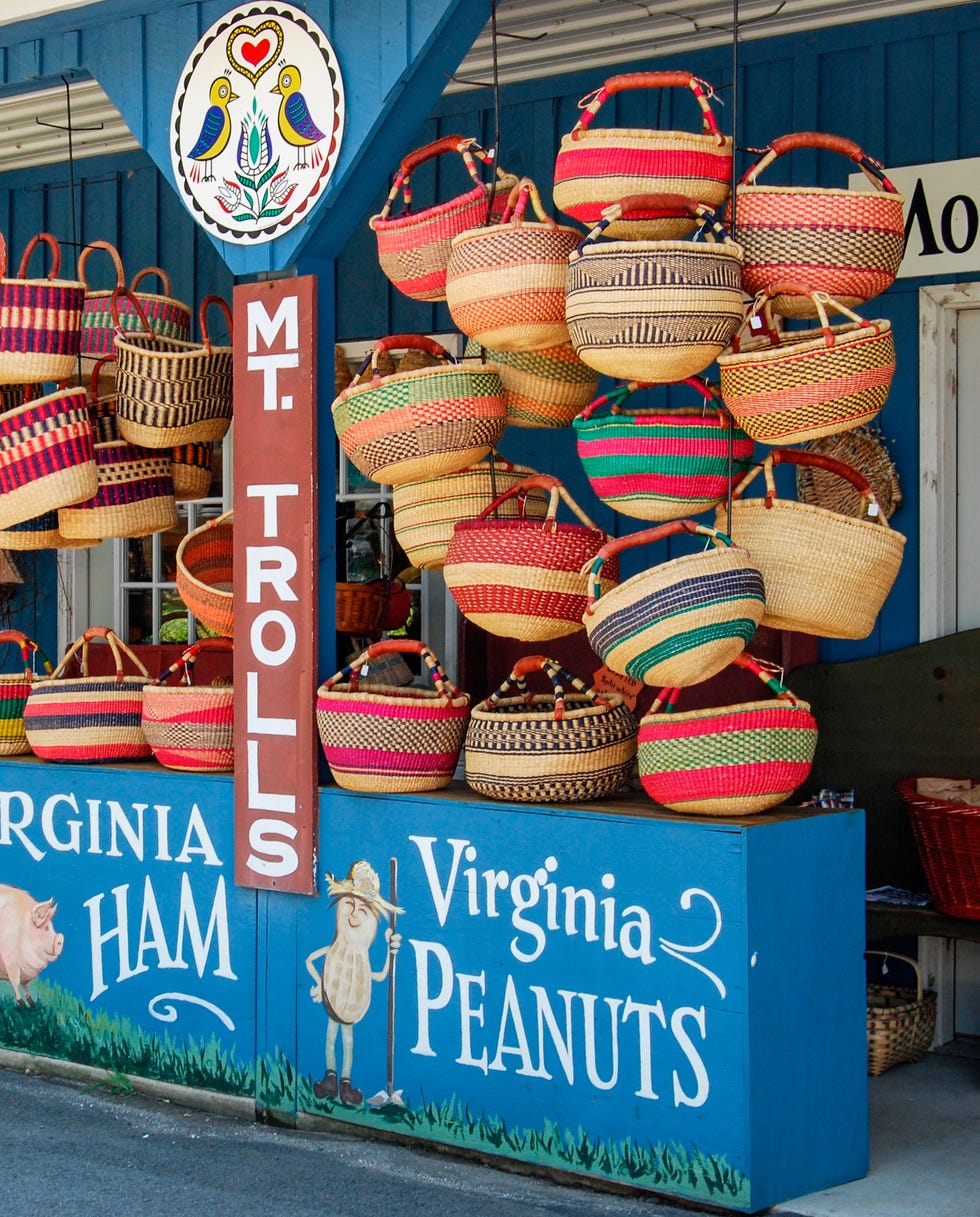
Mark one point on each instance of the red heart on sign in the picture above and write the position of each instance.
(255, 52)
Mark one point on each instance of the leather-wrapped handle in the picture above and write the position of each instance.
(113, 254)
(160, 273)
(52, 243)
(825, 142)
(448, 143)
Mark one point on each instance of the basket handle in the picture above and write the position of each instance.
(466, 146)
(667, 698)
(616, 397)
(559, 676)
(398, 342)
(202, 314)
(709, 226)
(916, 967)
(113, 254)
(93, 384)
(122, 293)
(27, 647)
(160, 273)
(525, 191)
(556, 491)
(32, 244)
(646, 537)
(873, 170)
(816, 460)
(116, 645)
(762, 307)
(398, 646)
(185, 664)
(650, 80)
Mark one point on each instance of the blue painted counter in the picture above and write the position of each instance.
(669, 1002)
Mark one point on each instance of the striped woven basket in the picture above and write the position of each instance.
(544, 388)
(204, 574)
(135, 496)
(14, 688)
(594, 167)
(847, 243)
(171, 392)
(506, 282)
(826, 573)
(426, 512)
(47, 459)
(423, 423)
(795, 385)
(574, 744)
(654, 310)
(657, 463)
(192, 471)
(525, 578)
(191, 727)
(901, 1019)
(89, 718)
(41, 532)
(40, 320)
(391, 738)
(413, 248)
(730, 761)
(680, 622)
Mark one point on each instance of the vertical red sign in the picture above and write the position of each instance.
(275, 584)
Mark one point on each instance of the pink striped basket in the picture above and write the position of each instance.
(40, 319)
(191, 727)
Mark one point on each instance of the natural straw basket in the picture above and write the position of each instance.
(391, 738)
(171, 392)
(191, 727)
(574, 744)
(14, 689)
(205, 574)
(41, 532)
(543, 388)
(192, 471)
(88, 718)
(947, 835)
(595, 167)
(654, 310)
(731, 760)
(525, 578)
(825, 573)
(847, 243)
(681, 622)
(413, 248)
(901, 1020)
(423, 423)
(40, 320)
(660, 463)
(795, 385)
(864, 450)
(506, 282)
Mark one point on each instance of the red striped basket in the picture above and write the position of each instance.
(40, 320)
(205, 574)
(657, 463)
(730, 761)
(14, 689)
(191, 727)
(543, 388)
(391, 738)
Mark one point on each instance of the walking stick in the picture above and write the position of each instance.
(393, 864)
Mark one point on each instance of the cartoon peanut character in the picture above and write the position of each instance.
(343, 984)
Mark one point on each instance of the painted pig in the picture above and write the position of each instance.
(28, 942)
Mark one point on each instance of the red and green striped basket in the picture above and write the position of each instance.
(14, 688)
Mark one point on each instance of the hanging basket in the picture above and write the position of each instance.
(419, 424)
(14, 689)
(40, 320)
(89, 718)
(946, 828)
(681, 622)
(544, 388)
(171, 392)
(795, 385)
(205, 574)
(413, 248)
(901, 1020)
(661, 464)
(825, 573)
(40, 532)
(595, 167)
(729, 761)
(506, 282)
(391, 738)
(572, 745)
(654, 310)
(865, 451)
(524, 578)
(191, 727)
(847, 243)
(192, 471)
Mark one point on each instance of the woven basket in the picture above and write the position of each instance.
(864, 451)
(426, 512)
(594, 167)
(14, 688)
(795, 385)
(524, 578)
(135, 497)
(544, 388)
(41, 532)
(901, 1021)
(413, 248)
(192, 471)
(88, 718)
(825, 573)
(205, 574)
(681, 622)
(847, 243)
(47, 459)
(572, 745)
(391, 738)
(423, 423)
(658, 463)
(947, 835)
(727, 761)
(506, 282)
(40, 320)
(191, 727)
(654, 310)
(172, 392)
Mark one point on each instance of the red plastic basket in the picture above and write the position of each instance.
(947, 836)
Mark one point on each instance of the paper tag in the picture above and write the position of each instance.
(615, 682)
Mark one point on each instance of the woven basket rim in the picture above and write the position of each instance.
(825, 514)
(804, 342)
(906, 787)
(395, 378)
(113, 681)
(650, 133)
(742, 707)
(393, 695)
(636, 249)
(590, 710)
(656, 575)
(821, 191)
(219, 691)
(161, 347)
(61, 284)
(75, 392)
(542, 525)
(504, 230)
(98, 291)
(415, 219)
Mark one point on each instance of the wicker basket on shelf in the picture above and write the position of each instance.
(945, 817)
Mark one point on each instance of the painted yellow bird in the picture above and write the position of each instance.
(216, 128)
(296, 124)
